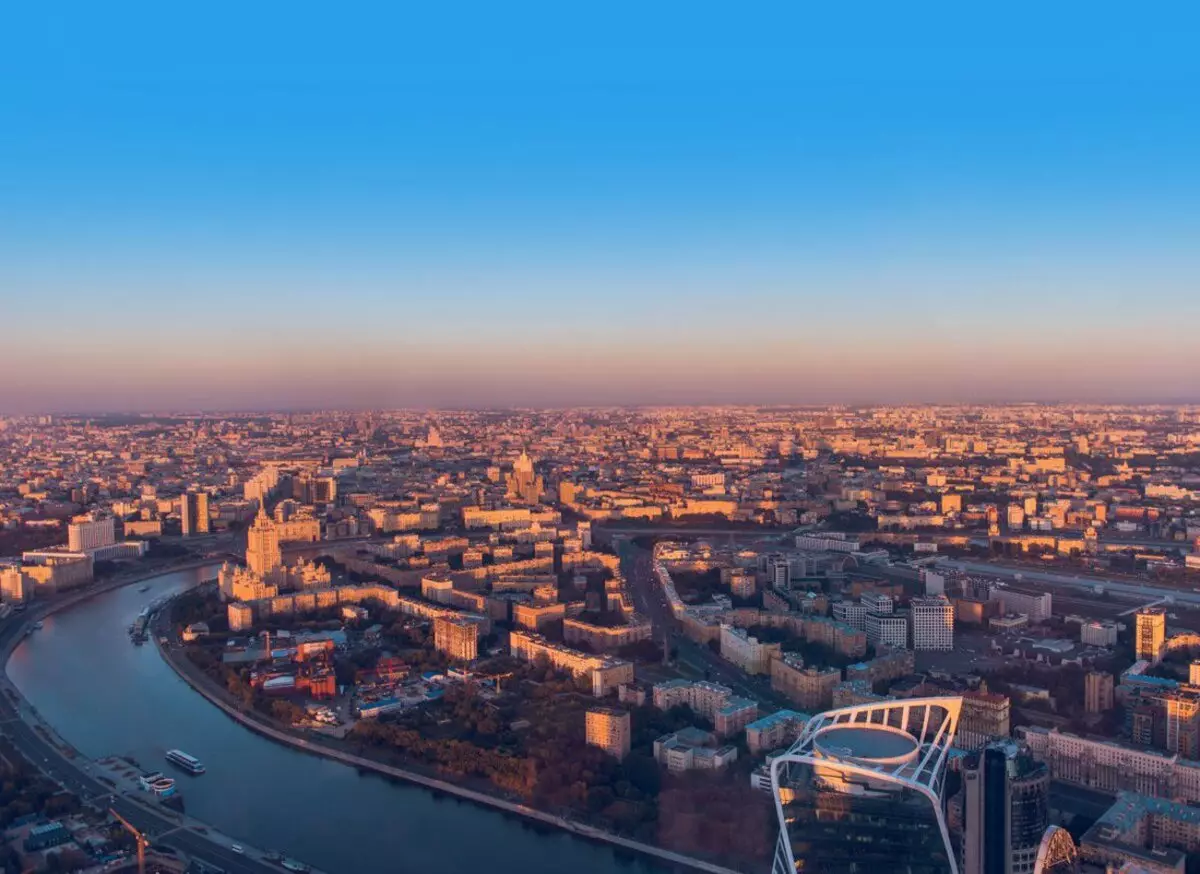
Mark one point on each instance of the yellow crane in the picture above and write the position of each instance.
(141, 839)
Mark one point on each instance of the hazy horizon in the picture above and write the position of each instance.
(268, 208)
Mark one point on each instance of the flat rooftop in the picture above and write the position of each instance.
(865, 742)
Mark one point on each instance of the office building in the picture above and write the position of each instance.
(863, 789)
(887, 630)
(1097, 692)
(1150, 630)
(853, 613)
(608, 728)
(457, 637)
(193, 513)
(1006, 809)
(874, 602)
(91, 532)
(932, 623)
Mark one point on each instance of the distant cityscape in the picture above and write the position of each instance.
(914, 638)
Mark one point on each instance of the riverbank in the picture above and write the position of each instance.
(176, 659)
(61, 761)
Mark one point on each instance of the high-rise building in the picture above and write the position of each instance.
(1194, 673)
(1006, 809)
(262, 545)
(863, 790)
(1150, 630)
(932, 623)
(1097, 692)
(457, 637)
(608, 729)
(525, 486)
(193, 513)
(91, 532)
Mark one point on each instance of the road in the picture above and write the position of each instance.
(1055, 580)
(163, 828)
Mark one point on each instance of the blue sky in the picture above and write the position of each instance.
(486, 204)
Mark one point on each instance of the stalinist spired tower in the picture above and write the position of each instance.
(262, 546)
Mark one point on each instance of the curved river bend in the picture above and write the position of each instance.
(106, 696)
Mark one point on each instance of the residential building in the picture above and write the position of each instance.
(747, 652)
(1099, 632)
(1097, 692)
(734, 716)
(809, 688)
(609, 729)
(986, 717)
(1150, 631)
(241, 616)
(457, 637)
(692, 749)
(193, 513)
(777, 730)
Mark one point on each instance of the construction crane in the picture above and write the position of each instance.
(141, 839)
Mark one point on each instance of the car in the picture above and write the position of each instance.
(238, 848)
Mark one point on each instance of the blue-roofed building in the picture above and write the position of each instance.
(1154, 833)
(46, 835)
(775, 731)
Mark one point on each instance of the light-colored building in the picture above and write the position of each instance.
(608, 728)
(703, 697)
(692, 749)
(1150, 631)
(1099, 632)
(1097, 692)
(15, 586)
(437, 587)
(605, 637)
(875, 602)
(932, 623)
(747, 652)
(457, 637)
(262, 545)
(605, 672)
(887, 630)
(241, 616)
(853, 613)
(1194, 673)
(1038, 606)
(91, 532)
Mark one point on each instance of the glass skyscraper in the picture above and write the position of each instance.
(862, 791)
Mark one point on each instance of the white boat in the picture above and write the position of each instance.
(180, 759)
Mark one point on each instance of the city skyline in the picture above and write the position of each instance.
(304, 212)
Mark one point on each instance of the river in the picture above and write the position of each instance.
(106, 696)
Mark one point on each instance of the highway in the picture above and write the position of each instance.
(163, 827)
